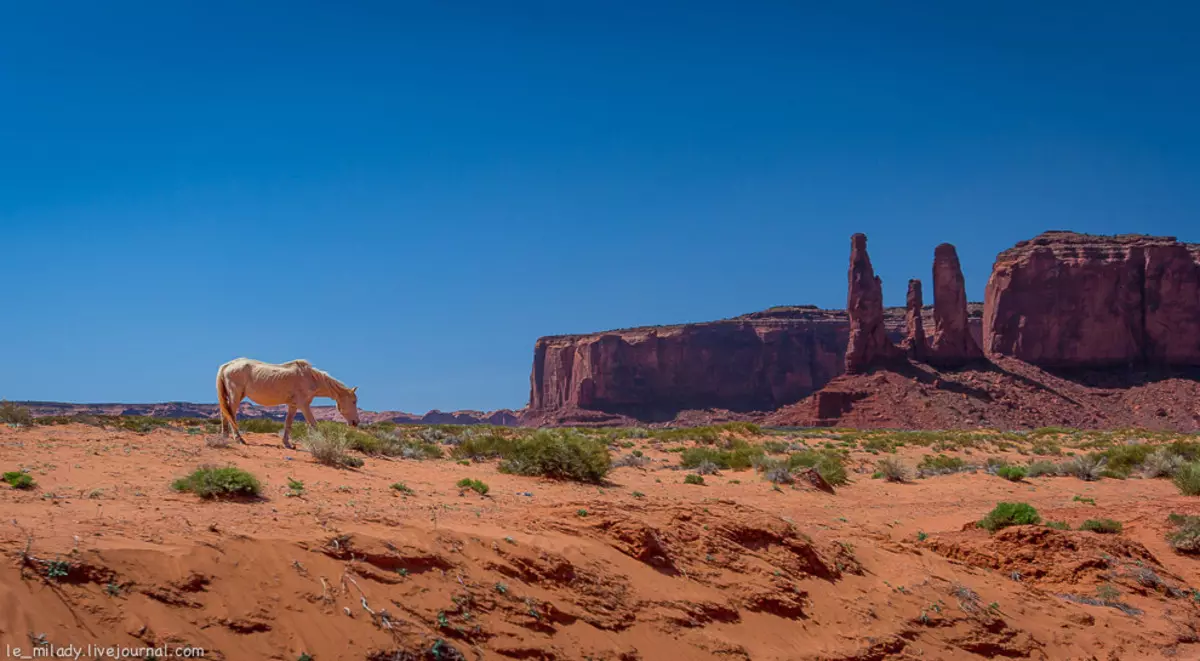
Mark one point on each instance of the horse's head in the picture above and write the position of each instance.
(347, 405)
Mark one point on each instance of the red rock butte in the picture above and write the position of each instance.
(1116, 305)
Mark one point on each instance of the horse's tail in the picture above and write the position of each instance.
(223, 395)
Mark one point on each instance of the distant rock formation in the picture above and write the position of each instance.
(952, 344)
(1064, 299)
(869, 344)
(914, 326)
(504, 417)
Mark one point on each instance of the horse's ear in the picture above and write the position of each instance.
(354, 389)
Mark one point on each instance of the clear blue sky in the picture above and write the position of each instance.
(409, 194)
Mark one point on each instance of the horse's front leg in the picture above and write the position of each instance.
(309, 418)
(287, 426)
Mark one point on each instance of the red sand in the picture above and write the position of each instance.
(723, 571)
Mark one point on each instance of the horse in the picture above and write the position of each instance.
(294, 383)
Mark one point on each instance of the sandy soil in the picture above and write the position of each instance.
(543, 570)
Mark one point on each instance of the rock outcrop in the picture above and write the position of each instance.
(1064, 299)
(952, 344)
(869, 344)
(914, 326)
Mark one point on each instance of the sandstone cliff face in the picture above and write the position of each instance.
(755, 362)
(952, 343)
(1064, 299)
(869, 344)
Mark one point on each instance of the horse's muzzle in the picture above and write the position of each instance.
(354, 424)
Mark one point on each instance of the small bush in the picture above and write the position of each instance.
(1040, 468)
(1058, 525)
(1186, 536)
(940, 465)
(692, 478)
(1187, 478)
(212, 482)
(262, 426)
(1088, 468)
(776, 447)
(778, 473)
(893, 470)
(331, 446)
(1161, 463)
(14, 414)
(739, 456)
(403, 488)
(707, 468)
(1103, 526)
(1010, 514)
(477, 486)
(828, 465)
(1011, 473)
(560, 454)
(1189, 450)
(19, 480)
(1124, 459)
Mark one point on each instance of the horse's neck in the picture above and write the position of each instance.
(326, 386)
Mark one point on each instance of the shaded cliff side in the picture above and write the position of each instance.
(755, 362)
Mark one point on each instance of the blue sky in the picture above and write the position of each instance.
(410, 193)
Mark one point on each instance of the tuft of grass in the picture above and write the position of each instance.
(1088, 468)
(740, 455)
(692, 478)
(893, 470)
(1058, 525)
(331, 446)
(15, 414)
(1103, 526)
(1012, 473)
(1187, 478)
(1010, 514)
(295, 488)
(403, 488)
(638, 494)
(940, 465)
(1162, 463)
(1081, 499)
(211, 482)
(19, 480)
(477, 486)
(1186, 536)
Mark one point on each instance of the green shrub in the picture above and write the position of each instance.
(1189, 450)
(263, 426)
(560, 454)
(141, 424)
(692, 478)
(1011, 473)
(14, 414)
(1010, 514)
(776, 447)
(492, 444)
(1087, 468)
(1058, 525)
(477, 486)
(1187, 478)
(1040, 468)
(19, 480)
(740, 456)
(1186, 536)
(940, 465)
(828, 465)
(1124, 459)
(1104, 526)
(212, 482)
(403, 488)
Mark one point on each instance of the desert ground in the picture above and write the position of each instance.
(393, 560)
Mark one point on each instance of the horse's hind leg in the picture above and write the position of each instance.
(287, 426)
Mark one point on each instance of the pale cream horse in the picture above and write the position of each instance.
(294, 383)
